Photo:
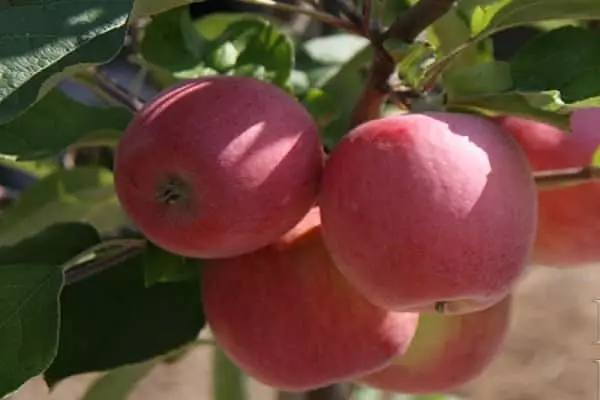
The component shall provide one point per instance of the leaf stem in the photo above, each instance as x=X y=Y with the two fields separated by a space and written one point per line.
x=94 y=267
x=318 y=15
x=101 y=247
x=557 y=179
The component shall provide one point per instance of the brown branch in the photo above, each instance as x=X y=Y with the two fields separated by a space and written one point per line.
x=556 y=179
x=376 y=89
x=416 y=19
x=406 y=28
x=367 y=15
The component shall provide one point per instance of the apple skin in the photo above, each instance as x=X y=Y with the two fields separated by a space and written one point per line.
x=421 y=210
x=218 y=166
x=287 y=317
x=569 y=217
x=447 y=351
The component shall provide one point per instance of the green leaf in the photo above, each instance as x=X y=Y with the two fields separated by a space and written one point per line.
x=28 y=321
x=345 y=84
x=37 y=168
x=366 y=393
x=144 y=8
x=411 y=66
x=546 y=107
x=566 y=59
x=493 y=16
x=56 y=122
x=334 y=49
x=54 y=245
x=320 y=105
x=119 y=383
x=228 y=379
x=247 y=46
x=112 y=319
x=40 y=40
x=596 y=158
x=161 y=266
x=482 y=78
x=82 y=194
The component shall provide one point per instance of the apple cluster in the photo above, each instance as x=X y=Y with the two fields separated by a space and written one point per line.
x=390 y=262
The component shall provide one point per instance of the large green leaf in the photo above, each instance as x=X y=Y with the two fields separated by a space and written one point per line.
x=144 y=8
x=28 y=321
x=566 y=59
x=55 y=122
x=39 y=39
x=54 y=245
x=82 y=194
x=161 y=266
x=245 y=45
x=492 y=16
x=481 y=78
x=113 y=319
x=546 y=107
x=345 y=85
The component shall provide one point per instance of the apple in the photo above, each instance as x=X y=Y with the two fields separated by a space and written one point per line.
x=288 y=318
x=429 y=211
x=219 y=166
x=447 y=351
x=569 y=217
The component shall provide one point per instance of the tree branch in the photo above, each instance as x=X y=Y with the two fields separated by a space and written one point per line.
x=416 y=19
x=376 y=89
x=406 y=28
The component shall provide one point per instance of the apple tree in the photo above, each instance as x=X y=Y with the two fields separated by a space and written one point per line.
x=86 y=287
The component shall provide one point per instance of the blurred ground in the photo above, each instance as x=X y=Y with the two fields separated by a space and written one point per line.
x=549 y=354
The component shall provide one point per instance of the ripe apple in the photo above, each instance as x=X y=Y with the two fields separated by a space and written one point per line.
x=431 y=211
x=569 y=217
x=447 y=351
x=287 y=317
x=218 y=166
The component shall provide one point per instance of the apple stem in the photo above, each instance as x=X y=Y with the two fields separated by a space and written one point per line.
x=555 y=179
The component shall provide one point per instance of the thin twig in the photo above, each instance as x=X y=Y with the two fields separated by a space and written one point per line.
x=318 y=15
x=556 y=179
x=94 y=267
x=416 y=19
x=116 y=92
x=341 y=7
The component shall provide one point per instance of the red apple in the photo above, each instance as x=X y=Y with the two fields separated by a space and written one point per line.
x=219 y=166
x=423 y=210
x=447 y=351
x=569 y=217
x=288 y=318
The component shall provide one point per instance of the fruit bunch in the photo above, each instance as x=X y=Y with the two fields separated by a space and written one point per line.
x=390 y=262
